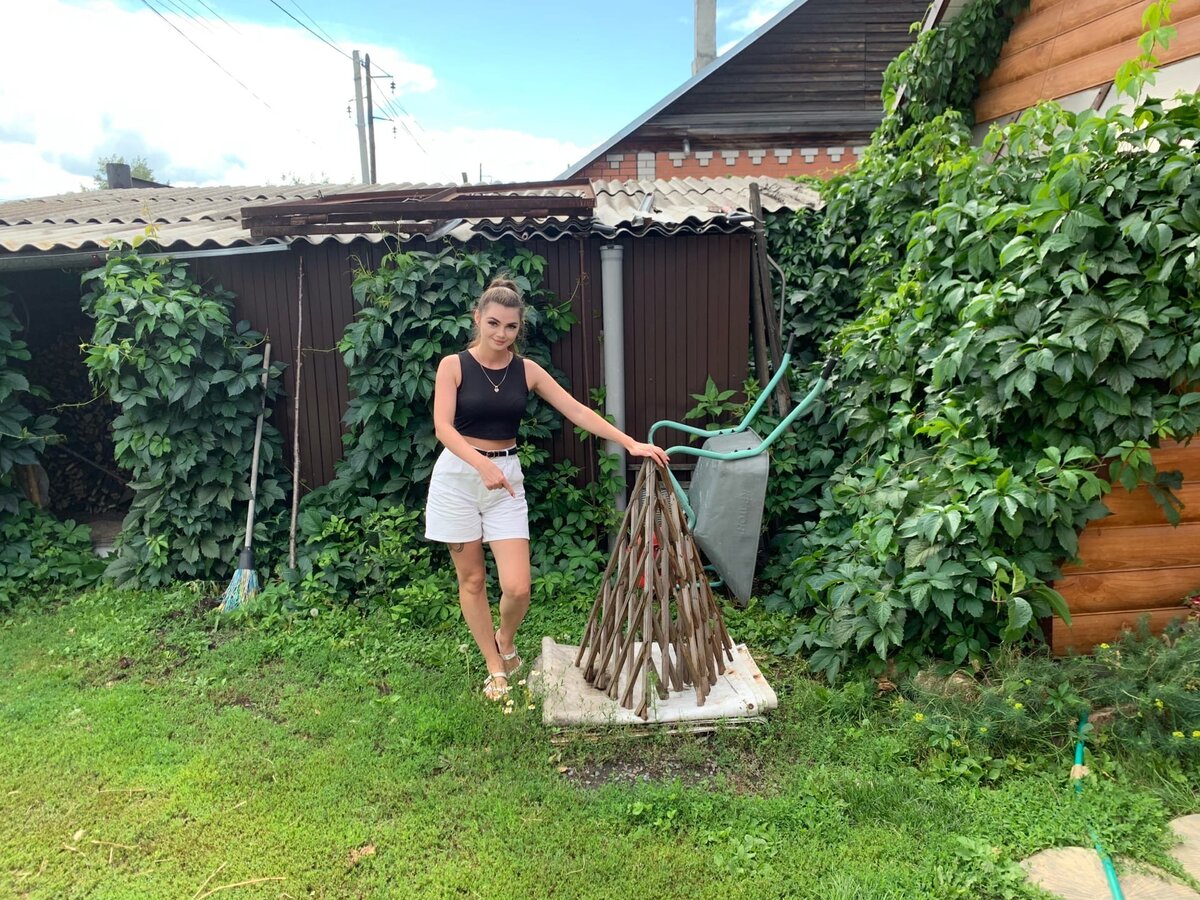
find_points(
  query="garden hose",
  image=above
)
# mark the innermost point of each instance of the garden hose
(1077, 773)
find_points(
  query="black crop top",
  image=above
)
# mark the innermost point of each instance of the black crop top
(490, 402)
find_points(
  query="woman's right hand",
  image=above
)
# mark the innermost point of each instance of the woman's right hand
(493, 478)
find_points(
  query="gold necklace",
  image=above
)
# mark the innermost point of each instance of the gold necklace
(495, 385)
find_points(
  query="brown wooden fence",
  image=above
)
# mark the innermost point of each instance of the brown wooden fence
(1133, 564)
(686, 301)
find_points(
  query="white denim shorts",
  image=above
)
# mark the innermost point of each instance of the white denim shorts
(461, 509)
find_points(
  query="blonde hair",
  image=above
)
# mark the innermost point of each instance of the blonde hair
(504, 291)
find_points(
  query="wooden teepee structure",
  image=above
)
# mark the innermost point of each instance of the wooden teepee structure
(655, 626)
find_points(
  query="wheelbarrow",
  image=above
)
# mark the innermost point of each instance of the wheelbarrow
(724, 503)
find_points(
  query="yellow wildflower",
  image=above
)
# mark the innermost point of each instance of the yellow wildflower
(919, 717)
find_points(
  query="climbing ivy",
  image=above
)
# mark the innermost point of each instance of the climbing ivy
(415, 308)
(1018, 315)
(22, 434)
(38, 554)
(187, 380)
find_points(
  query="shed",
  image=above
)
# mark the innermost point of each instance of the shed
(686, 283)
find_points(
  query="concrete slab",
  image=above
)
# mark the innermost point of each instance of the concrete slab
(741, 693)
(1075, 873)
(1187, 829)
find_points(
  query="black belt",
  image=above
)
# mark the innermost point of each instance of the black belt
(492, 454)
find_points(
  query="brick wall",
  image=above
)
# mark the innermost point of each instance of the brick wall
(778, 162)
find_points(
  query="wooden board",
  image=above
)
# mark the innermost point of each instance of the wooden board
(1172, 456)
(1089, 629)
(1140, 507)
(1091, 70)
(1104, 549)
(1055, 38)
(1135, 589)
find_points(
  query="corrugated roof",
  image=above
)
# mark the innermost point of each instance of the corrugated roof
(689, 205)
(211, 217)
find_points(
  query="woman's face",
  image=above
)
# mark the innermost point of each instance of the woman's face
(498, 326)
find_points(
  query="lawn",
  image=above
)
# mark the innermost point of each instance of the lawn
(150, 750)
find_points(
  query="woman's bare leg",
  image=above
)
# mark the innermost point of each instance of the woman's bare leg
(512, 564)
(472, 597)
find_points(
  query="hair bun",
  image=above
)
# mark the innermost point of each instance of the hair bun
(501, 282)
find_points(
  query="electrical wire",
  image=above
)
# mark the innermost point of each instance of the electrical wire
(210, 58)
(215, 13)
(316, 24)
(323, 40)
(214, 61)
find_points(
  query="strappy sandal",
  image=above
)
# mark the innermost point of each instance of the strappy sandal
(494, 691)
(509, 657)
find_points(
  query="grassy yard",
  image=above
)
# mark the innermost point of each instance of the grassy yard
(148, 751)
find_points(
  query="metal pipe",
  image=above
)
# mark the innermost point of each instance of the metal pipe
(613, 324)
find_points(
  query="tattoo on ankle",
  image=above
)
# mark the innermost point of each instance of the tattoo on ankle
(457, 548)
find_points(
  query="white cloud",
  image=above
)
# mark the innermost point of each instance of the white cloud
(123, 81)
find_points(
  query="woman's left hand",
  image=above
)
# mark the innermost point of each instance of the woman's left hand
(656, 453)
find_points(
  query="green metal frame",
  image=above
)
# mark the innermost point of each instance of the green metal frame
(781, 373)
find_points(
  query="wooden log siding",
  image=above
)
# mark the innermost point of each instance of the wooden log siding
(1133, 563)
(686, 317)
(1060, 47)
(823, 64)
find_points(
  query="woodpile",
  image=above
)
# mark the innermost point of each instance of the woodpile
(655, 626)
(83, 479)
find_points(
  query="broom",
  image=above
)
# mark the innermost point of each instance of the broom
(244, 585)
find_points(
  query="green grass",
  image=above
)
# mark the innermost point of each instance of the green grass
(147, 750)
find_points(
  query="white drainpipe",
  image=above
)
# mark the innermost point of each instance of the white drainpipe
(612, 292)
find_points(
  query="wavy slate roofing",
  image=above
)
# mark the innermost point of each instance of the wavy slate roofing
(202, 218)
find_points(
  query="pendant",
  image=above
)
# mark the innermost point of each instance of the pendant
(496, 388)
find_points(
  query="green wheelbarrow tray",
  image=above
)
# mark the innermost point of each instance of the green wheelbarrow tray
(724, 504)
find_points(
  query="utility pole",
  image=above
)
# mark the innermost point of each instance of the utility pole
(371, 121)
(362, 130)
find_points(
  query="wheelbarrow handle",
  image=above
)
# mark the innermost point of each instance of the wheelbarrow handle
(830, 364)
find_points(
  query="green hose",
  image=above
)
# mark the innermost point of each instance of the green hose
(1114, 886)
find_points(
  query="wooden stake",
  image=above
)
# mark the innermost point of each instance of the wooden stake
(296, 419)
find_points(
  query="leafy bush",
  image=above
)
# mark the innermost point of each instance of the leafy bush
(187, 380)
(1142, 693)
(41, 556)
(22, 435)
(1025, 317)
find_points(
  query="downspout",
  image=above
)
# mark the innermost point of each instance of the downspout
(613, 325)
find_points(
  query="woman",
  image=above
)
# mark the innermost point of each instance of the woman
(476, 493)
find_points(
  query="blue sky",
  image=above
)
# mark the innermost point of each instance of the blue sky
(517, 90)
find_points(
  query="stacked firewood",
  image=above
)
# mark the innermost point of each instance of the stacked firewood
(83, 478)
(655, 627)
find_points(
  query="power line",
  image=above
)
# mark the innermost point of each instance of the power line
(215, 13)
(310, 31)
(316, 24)
(209, 57)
